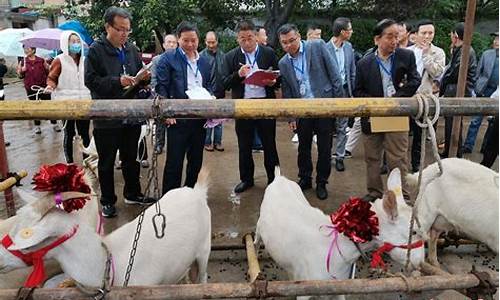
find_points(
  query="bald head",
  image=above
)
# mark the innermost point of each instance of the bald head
(211, 41)
(170, 42)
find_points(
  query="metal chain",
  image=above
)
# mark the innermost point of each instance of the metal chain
(152, 179)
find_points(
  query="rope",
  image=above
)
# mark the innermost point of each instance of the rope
(426, 124)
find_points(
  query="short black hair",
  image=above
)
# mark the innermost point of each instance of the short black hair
(382, 25)
(407, 26)
(244, 25)
(185, 26)
(312, 26)
(340, 24)
(459, 30)
(422, 23)
(286, 28)
(258, 28)
(113, 11)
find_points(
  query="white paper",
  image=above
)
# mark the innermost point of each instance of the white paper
(199, 93)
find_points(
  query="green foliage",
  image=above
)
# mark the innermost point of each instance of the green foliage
(362, 37)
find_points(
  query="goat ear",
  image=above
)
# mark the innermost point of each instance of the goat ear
(390, 205)
(394, 184)
(28, 237)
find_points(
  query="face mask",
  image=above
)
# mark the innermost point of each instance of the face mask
(75, 48)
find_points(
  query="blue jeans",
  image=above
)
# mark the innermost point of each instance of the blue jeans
(257, 143)
(470, 140)
(217, 135)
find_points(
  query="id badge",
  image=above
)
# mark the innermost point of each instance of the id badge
(302, 89)
(391, 91)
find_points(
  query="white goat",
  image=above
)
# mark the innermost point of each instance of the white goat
(290, 229)
(463, 198)
(10, 278)
(83, 257)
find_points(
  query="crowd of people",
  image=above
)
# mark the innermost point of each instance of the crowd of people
(402, 62)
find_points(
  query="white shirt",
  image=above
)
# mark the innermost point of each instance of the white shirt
(419, 52)
(194, 78)
(253, 91)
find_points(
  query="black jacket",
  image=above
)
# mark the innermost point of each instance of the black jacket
(369, 80)
(232, 63)
(3, 71)
(103, 70)
(215, 60)
(450, 76)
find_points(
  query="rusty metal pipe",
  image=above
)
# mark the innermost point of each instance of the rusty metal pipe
(239, 109)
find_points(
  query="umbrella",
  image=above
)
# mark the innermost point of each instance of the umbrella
(78, 27)
(48, 38)
(9, 41)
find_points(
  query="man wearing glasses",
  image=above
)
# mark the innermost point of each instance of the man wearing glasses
(308, 71)
(110, 68)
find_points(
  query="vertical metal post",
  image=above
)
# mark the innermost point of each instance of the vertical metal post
(462, 75)
(4, 169)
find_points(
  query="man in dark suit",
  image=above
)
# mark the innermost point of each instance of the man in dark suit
(240, 63)
(179, 71)
(387, 72)
(308, 71)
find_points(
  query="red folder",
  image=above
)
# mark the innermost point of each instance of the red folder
(259, 77)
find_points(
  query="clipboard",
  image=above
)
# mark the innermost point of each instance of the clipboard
(389, 124)
(258, 77)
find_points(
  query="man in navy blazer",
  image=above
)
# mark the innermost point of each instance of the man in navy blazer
(387, 72)
(308, 71)
(343, 55)
(177, 72)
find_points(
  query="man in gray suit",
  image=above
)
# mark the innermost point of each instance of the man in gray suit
(486, 84)
(308, 71)
(343, 55)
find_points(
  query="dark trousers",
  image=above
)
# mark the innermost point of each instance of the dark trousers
(448, 124)
(41, 96)
(69, 133)
(416, 144)
(107, 142)
(490, 152)
(185, 139)
(266, 128)
(323, 128)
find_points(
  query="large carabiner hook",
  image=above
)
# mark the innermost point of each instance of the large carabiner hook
(159, 234)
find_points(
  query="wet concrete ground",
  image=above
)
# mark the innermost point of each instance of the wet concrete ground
(232, 217)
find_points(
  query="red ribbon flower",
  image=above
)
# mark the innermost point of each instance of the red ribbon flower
(60, 178)
(356, 220)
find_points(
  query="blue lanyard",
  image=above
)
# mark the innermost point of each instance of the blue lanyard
(301, 70)
(255, 58)
(379, 62)
(184, 57)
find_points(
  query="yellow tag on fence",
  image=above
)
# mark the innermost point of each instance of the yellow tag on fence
(389, 124)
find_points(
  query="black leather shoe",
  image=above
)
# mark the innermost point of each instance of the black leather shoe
(242, 186)
(339, 165)
(305, 184)
(369, 198)
(321, 191)
(139, 199)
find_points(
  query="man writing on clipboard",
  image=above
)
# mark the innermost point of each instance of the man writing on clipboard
(110, 70)
(240, 63)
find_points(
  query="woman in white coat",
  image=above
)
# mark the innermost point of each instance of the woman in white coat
(66, 82)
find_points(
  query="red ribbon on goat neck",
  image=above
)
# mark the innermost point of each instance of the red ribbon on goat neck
(377, 260)
(35, 258)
